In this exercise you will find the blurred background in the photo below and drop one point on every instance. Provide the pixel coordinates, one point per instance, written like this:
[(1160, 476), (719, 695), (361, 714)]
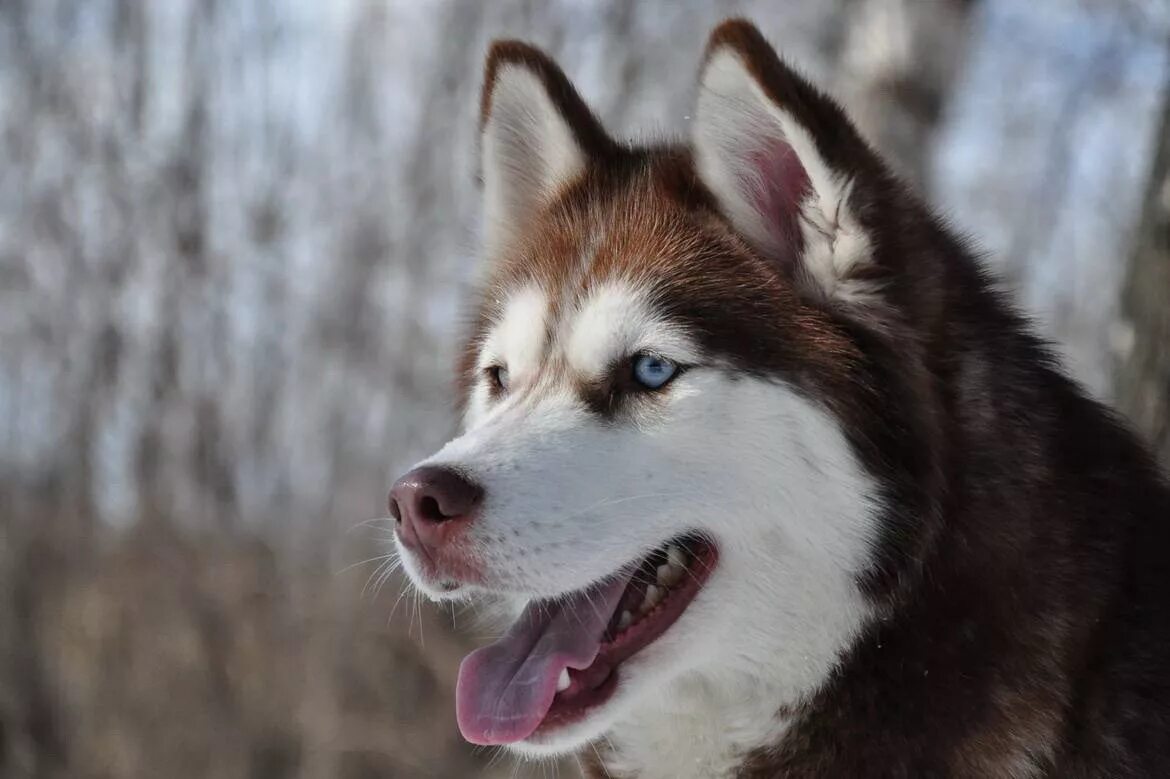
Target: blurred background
[(234, 236)]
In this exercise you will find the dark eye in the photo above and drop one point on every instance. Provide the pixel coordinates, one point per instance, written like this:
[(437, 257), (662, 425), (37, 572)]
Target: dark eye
[(653, 372), (498, 375)]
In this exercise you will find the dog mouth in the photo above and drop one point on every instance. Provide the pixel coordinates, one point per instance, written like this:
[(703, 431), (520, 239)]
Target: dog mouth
[(562, 658)]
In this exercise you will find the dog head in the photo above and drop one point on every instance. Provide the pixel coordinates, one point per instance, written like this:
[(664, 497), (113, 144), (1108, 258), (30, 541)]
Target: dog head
[(689, 448)]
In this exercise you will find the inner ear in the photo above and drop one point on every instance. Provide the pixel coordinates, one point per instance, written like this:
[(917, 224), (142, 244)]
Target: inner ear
[(755, 142), (776, 184), (538, 136), (749, 158)]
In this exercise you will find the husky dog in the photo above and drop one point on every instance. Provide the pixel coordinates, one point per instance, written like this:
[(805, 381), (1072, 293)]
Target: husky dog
[(778, 484)]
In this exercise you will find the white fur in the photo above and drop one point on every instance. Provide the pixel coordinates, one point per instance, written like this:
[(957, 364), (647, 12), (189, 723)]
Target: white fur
[(615, 323), (516, 343), (528, 152), (734, 120), (571, 498), (699, 726)]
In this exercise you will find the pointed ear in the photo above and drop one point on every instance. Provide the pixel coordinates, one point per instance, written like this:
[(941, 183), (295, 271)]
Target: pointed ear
[(537, 136), (781, 159)]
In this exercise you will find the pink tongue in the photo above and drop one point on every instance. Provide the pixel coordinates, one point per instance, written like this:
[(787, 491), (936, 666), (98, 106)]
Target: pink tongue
[(505, 689)]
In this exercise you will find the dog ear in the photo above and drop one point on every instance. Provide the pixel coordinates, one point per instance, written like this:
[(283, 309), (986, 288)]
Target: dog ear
[(782, 160), (537, 136)]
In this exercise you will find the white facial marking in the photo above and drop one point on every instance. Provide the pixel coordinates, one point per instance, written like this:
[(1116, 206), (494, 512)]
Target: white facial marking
[(771, 477), (516, 342), (614, 322), (519, 339)]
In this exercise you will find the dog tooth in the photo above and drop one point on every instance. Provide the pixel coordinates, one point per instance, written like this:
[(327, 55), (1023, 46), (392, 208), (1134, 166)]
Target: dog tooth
[(653, 596), (625, 620), (563, 682), (675, 556), (669, 575)]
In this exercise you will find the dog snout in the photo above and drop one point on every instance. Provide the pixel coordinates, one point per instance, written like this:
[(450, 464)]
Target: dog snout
[(432, 503)]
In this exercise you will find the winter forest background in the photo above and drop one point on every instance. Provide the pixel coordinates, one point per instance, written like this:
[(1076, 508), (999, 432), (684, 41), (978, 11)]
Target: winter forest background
[(234, 236)]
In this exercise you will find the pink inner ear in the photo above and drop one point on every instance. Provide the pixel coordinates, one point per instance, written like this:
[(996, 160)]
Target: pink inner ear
[(779, 185)]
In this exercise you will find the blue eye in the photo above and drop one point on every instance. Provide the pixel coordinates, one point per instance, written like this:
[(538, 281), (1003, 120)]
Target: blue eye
[(499, 377), (653, 372)]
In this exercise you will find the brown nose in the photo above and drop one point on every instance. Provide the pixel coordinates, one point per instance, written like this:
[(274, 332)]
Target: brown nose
[(430, 503)]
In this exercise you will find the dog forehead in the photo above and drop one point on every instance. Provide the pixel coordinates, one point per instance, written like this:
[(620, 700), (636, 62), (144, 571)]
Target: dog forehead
[(616, 319), (585, 333), (610, 271), (518, 335)]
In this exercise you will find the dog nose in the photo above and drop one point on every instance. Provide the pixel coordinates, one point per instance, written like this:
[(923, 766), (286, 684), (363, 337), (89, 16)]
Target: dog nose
[(430, 503)]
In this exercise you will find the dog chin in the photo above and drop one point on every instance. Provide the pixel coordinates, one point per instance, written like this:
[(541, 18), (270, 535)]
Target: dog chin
[(569, 739)]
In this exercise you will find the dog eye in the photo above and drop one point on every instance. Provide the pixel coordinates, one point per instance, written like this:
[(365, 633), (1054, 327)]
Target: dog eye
[(498, 375), (653, 372)]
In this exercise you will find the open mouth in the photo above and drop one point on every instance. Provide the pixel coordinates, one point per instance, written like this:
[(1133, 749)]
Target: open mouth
[(562, 658)]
